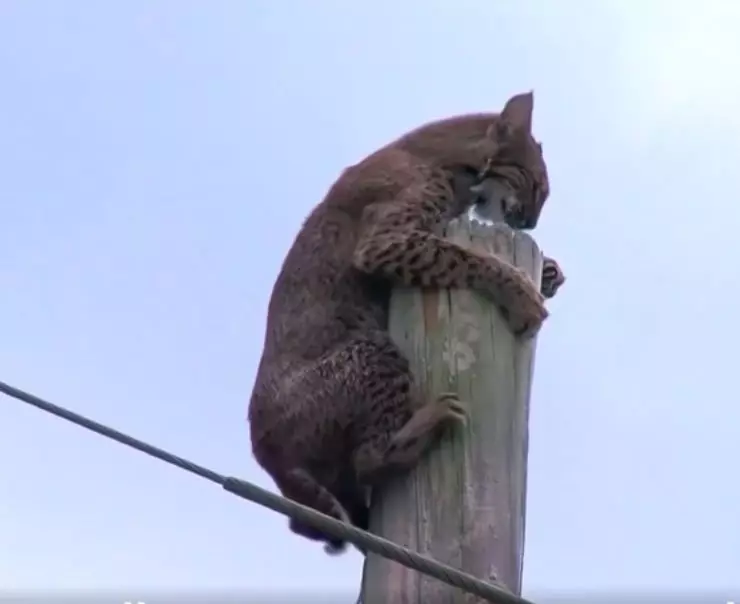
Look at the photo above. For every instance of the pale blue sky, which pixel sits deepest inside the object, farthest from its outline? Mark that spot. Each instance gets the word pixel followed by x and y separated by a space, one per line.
pixel 156 159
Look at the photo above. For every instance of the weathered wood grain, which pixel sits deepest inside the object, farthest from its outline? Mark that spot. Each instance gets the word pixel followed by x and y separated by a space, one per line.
pixel 465 503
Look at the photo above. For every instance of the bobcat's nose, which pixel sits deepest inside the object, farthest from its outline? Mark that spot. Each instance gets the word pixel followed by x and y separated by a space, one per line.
pixel 513 212
pixel 530 223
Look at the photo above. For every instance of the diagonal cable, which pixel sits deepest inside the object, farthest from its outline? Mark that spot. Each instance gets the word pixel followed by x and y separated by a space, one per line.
pixel 251 492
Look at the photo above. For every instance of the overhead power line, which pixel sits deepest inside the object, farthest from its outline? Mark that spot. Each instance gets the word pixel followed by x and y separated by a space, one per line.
pixel 251 492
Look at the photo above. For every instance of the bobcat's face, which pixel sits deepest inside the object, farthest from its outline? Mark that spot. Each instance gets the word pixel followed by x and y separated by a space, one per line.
pixel 522 169
pixel 518 163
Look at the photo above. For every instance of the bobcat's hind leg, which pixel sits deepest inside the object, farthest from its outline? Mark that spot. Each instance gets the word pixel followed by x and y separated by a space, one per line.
pixel 391 431
pixel 385 455
pixel 425 426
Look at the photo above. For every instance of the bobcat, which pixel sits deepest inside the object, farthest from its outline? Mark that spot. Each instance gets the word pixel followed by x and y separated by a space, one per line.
pixel 334 409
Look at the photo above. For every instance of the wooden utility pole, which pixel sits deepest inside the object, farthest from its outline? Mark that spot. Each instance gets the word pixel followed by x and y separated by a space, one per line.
pixel 464 505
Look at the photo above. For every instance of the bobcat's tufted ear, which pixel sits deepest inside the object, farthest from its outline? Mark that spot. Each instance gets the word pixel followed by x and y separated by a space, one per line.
pixel 517 114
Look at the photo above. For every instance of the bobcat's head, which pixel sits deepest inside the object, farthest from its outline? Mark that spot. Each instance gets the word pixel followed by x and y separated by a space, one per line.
pixel 518 163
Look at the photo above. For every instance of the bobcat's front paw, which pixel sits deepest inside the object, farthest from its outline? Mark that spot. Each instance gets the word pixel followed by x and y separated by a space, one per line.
pixel 525 310
pixel 552 277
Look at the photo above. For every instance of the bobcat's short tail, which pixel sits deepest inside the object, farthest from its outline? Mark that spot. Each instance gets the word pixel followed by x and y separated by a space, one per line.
pixel 300 486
